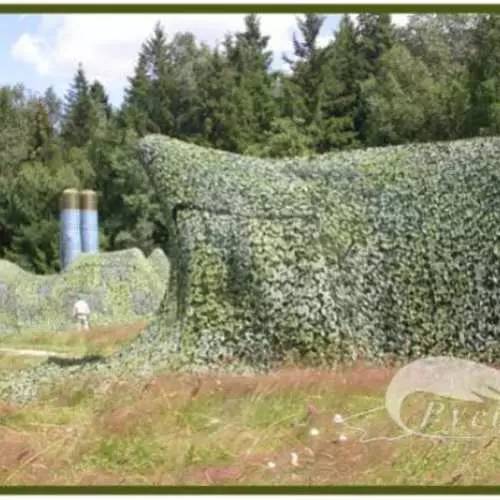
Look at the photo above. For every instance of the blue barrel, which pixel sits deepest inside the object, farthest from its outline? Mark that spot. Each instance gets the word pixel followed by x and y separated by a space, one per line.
pixel 89 221
pixel 70 237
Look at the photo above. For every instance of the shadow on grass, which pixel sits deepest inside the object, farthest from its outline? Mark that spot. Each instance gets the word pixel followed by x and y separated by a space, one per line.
pixel 81 361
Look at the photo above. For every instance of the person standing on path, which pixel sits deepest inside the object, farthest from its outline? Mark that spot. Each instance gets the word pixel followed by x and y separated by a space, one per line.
pixel 81 312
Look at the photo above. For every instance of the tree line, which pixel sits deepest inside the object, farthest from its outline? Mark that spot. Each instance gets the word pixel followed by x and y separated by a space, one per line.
pixel 373 84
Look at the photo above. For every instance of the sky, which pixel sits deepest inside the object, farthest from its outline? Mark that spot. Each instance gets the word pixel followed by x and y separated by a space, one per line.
pixel 44 50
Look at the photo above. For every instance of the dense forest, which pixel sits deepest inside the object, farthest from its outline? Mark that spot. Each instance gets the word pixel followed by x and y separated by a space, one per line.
pixel 373 84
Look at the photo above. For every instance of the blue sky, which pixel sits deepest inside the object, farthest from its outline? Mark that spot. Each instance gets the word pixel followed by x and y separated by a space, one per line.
pixel 44 50
pixel 11 27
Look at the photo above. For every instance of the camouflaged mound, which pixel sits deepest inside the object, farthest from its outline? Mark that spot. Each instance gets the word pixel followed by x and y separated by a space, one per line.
pixel 382 252
pixel 118 286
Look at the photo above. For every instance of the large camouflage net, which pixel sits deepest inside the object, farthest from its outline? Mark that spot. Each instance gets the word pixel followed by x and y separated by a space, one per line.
pixel 386 252
pixel 375 253
pixel 118 286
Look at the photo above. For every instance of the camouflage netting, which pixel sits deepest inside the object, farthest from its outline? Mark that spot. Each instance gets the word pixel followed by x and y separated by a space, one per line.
pixel 371 253
pixel 118 286
pixel 389 251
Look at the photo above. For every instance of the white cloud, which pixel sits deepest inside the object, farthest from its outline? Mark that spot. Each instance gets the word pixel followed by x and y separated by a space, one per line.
pixel 108 44
pixel 30 49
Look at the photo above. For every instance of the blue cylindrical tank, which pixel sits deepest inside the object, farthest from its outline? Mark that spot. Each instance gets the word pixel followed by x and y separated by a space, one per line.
pixel 70 237
pixel 89 221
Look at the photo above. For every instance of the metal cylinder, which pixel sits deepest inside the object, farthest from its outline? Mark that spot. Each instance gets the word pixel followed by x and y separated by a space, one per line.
pixel 89 221
pixel 70 237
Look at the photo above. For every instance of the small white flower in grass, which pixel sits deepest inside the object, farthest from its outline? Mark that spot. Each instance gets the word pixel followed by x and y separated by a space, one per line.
pixel 314 432
pixel 271 465
pixel 338 419
pixel 342 438
pixel 295 459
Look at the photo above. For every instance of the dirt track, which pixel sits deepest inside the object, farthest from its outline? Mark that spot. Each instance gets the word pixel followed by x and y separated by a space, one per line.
pixel 30 352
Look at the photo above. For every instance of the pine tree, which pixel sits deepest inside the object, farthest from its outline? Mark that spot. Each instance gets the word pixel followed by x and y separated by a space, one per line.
pixel 77 124
pixel 221 122
pixel 309 75
pixel 376 36
pixel 161 82
pixel 42 139
pixel 308 66
pixel 189 63
pixel 53 106
pixel 149 96
pixel 99 96
pixel 342 89
pixel 250 59
pixel 136 106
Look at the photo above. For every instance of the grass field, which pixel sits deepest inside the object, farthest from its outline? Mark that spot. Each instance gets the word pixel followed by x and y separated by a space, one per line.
pixel 100 341
pixel 275 429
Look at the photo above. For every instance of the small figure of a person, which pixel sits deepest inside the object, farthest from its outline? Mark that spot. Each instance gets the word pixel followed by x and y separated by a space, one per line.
pixel 81 312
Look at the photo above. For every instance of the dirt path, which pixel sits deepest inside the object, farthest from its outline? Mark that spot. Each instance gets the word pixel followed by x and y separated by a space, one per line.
pixel 31 352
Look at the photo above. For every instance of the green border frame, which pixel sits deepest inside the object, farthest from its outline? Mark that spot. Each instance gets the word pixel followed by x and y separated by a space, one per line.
pixel 232 490
pixel 242 8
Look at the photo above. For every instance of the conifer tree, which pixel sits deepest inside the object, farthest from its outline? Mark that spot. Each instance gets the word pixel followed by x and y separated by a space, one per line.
pixel 42 139
pixel 77 124
pixel 99 96
pixel 342 89
pixel 376 36
pixel 308 68
pixel 136 106
pixel 250 59
pixel 161 82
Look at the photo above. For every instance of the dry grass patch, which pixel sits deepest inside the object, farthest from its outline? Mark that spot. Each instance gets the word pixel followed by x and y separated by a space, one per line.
pixel 101 341
pixel 189 429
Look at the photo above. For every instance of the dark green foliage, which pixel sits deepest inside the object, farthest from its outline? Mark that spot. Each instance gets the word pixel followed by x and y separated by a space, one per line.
pixel 53 106
pixel 400 100
pixel 484 71
pixel 368 84
pixel 42 138
pixel 99 96
pixel 342 90
pixel 77 125
pixel 250 61
pixel 136 105
pixel 376 37
pixel 308 75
